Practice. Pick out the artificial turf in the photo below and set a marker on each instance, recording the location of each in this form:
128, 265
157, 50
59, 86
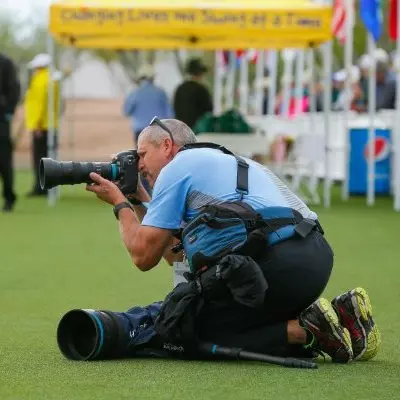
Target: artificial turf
70, 256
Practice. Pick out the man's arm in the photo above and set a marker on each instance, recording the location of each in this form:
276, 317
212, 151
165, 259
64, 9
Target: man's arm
170, 257
145, 244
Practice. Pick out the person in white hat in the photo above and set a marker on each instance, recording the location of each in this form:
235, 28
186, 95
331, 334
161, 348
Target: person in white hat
36, 113
42, 60
345, 96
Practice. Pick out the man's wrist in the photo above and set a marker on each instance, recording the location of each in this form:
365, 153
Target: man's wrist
135, 202
118, 207
118, 200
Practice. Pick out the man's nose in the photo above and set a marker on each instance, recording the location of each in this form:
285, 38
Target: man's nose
141, 165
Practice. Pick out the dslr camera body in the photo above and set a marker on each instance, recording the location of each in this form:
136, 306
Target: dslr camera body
123, 170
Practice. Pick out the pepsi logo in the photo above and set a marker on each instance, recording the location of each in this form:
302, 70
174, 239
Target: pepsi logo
381, 149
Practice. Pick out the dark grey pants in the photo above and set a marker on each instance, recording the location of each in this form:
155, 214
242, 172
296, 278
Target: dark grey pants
6, 163
297, 272
39, 150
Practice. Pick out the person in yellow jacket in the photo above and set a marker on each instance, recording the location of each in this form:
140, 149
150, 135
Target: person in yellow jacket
37, 119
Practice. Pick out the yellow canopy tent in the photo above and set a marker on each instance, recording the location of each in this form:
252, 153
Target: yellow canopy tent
191, 24
202, 24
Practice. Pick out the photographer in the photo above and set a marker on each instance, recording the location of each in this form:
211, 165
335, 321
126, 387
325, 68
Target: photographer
294, 259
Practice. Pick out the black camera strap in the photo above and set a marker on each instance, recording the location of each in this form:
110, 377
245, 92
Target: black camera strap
242, 183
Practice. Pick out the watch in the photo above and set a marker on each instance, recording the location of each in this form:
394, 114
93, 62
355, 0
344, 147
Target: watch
120, 206
135, 202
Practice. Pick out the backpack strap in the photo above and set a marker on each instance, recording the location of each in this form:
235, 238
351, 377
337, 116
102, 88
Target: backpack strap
242, 182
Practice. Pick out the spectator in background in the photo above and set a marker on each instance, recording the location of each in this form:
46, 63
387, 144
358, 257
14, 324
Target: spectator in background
345, 97
297, 102
9, 97
146, 101
338, 80
192, 99
385, 87
36, 113
385, 82
360, 103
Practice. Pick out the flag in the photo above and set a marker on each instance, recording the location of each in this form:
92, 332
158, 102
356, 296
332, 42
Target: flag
371, 15
339, 20
250, 55
393, 25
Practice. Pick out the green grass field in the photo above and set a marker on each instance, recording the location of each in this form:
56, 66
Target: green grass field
55, 259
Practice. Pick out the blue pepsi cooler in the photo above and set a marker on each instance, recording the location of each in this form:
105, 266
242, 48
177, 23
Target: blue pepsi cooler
358, 157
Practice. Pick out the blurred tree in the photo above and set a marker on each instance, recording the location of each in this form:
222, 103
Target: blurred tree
130, 60
19, 43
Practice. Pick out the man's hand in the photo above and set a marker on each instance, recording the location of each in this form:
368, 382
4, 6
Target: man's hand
105, 190
140, 194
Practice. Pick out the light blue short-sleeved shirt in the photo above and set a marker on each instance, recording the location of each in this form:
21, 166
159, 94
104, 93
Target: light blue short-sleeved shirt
197, 177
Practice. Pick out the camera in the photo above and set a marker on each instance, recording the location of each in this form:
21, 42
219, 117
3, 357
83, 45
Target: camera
123, 169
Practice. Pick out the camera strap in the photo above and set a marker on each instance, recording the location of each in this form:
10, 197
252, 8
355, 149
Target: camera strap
242, 182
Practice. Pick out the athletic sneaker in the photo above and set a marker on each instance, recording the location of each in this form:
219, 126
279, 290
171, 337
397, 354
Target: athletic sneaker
355, 313
329, 336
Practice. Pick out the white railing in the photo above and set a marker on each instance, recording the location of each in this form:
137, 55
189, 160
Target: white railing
307, 160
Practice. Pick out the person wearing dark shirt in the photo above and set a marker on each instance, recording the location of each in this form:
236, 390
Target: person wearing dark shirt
192, 99
9, 97
385, 89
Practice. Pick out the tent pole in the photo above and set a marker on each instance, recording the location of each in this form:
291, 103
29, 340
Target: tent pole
348, 60
273, 76
59, 115
371, 130
328, 47
396, 130
259, 91
230, 81
218, 73
288, 58
244, 85
312, 123
52, 193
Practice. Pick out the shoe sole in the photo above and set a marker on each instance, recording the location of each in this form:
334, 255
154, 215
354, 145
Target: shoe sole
362, 310
341, 334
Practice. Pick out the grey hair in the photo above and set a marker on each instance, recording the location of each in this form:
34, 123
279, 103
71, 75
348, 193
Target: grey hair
181, 133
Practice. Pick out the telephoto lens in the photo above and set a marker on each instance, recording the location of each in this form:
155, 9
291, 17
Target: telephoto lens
53, 173
86, 334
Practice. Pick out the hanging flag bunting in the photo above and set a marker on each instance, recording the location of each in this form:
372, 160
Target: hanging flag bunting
371, 15
393, 24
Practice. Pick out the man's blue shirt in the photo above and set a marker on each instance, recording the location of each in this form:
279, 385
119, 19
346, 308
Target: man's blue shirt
197, 177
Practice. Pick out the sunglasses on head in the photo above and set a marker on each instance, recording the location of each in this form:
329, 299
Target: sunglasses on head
157, 121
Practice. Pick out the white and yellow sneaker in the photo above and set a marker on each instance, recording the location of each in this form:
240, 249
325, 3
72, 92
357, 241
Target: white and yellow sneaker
355, 313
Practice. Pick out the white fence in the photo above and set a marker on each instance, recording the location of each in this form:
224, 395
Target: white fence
309, 133
310, 148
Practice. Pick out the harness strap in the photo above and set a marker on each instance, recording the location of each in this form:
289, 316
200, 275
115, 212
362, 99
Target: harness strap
242, 182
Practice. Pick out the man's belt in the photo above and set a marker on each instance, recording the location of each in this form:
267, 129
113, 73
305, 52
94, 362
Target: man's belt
306, 226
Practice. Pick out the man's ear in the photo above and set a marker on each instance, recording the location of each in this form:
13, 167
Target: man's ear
168, 145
